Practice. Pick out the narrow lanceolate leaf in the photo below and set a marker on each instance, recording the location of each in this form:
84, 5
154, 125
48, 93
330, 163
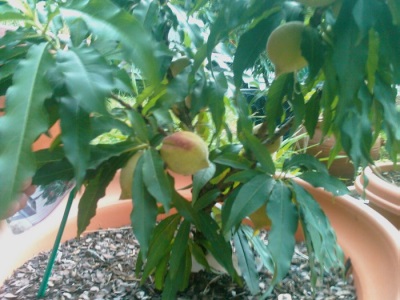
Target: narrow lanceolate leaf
179, 248
284, 216
215, 94
253, 42
85, 83
216, 243
24, 121
94, 191
144, 213
75, 126
318, 229
324, 180
200, 179
156, 179
252, 195
246, 261
110, 22
373, 58
259, 151
161, 243
305, 162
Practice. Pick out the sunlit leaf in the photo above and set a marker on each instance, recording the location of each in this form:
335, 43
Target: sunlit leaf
79, 67
24, 121
110, 22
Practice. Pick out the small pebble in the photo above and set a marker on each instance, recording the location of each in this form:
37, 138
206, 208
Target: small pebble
284, 297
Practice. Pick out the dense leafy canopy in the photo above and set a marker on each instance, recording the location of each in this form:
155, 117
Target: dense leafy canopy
100, 70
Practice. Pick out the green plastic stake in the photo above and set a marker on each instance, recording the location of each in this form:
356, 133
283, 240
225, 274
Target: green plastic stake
50, 264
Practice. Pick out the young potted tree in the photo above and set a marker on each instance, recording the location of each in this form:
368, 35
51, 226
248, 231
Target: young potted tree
148, 76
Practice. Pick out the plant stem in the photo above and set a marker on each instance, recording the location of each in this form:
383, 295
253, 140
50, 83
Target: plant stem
50, 264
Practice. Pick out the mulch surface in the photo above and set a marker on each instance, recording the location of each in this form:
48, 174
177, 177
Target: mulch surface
101, 265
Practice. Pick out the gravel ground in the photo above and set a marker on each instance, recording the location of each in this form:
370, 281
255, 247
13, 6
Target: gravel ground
101, 266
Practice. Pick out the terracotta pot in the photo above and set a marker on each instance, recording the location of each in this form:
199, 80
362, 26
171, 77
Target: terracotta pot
367, 238
383, 196
341, 167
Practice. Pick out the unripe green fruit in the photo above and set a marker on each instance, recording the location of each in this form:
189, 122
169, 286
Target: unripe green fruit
126, 176
283, 48
272, 148
316, 3
178, 65
185, 153
260, 218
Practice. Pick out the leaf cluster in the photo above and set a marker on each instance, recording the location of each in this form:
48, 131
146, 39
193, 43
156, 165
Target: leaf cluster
101, 71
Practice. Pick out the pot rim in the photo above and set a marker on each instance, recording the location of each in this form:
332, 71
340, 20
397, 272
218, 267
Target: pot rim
382, 193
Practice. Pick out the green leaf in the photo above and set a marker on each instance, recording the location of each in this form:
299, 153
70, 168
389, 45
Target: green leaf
155, 178
76, 136
185, 208
55, 170
251, 196
394, 7
316, 225
181, 282
80, 69
200, 179
304, 162
103, 124
144, 213
48, 155
109, 22
215, 96
206, 199
280, 87
246, 261
161, 242
242, 176
312, 49
138, 125
216, 243
24, 121
284, 216
312, 113
94, 191
365, 13
373, 58
324, 180
349, 58
179, 248
260, 248
233, 160
199, 255
101, 152
253, 42
258, 150
160, 273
